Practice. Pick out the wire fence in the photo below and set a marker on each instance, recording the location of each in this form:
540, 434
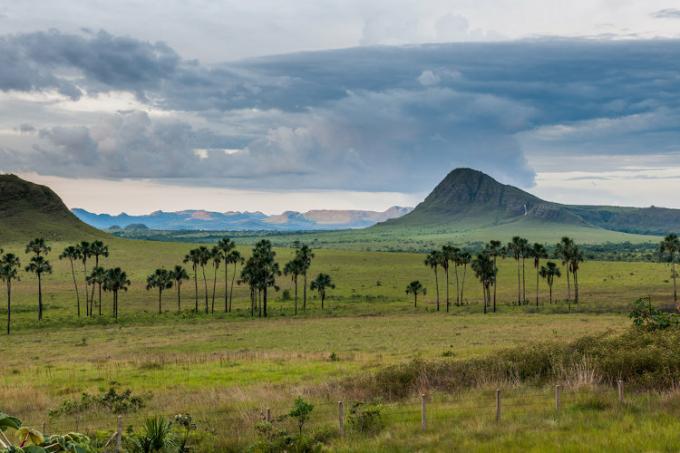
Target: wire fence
420, 413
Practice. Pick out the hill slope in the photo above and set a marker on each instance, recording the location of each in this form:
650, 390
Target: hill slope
469, 199
29, 210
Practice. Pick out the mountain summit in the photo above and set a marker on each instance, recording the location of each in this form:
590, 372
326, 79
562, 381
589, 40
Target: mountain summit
468, 198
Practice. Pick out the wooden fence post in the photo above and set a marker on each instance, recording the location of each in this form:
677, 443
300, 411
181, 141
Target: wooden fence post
423, 412
119, 435
558, 391
498, 405
269, 415
341, 418
620, 390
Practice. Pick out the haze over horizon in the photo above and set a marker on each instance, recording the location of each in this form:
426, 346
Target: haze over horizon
212, 106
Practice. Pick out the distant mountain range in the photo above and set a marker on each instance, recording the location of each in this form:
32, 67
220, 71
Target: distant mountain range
470, 199
243, 221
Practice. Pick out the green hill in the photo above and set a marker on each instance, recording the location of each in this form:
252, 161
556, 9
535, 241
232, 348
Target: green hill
469, 205
28, 210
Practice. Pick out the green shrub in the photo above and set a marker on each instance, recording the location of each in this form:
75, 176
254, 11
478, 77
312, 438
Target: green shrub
366, 418
117, 403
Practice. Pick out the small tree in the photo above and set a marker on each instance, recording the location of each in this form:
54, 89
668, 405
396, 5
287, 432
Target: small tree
668, 251
161, 279
39, 266
294, 268
116, 280
73, 253
320, 284
301, 411
549, 272
178, 275
415, 288
9, 271
96, 277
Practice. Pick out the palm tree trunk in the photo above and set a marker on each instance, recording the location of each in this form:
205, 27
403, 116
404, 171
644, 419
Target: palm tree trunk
160, 308
259, 303
323, 297
179, 296
87, 307
75, 284
550, 287
264, 301
462, 285
115, 302
9, 305
575, 287
205, 288
455, 268
100, 298
537, 281
92, 300
524, 283
519, 284
40, 306
231, 290
196, 289
495, 282
568, 284
415, 299
447, 289
675, 285
484, 297
304, 292
296, 293
436, 284
212, 309
226, 286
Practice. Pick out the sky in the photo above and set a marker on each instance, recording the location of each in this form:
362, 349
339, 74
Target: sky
136, 106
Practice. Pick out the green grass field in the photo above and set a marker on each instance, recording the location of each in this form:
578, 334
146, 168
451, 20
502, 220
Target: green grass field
227, 368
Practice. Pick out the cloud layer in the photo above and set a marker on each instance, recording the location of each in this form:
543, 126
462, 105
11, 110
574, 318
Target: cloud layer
371, 118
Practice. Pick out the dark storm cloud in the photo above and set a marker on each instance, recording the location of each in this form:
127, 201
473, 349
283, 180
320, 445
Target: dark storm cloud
372, 118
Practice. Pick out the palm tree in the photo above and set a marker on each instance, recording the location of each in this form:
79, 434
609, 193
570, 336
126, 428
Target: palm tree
305, 255
97, 249
116, 280
548, 273
39, 266
38, 247
194, 258
204, 256
563, 250
320, 284
294, 269
267, 269
575, 260
415, 288
161, 279
449, 254
216, 259
464, 258
85, 253
249, 275
178, 275
494, 249
433, 260
668, 251
234, 258
483, 267
72, 253
225, 246
96, 277
515, 249
538, 252
9, 271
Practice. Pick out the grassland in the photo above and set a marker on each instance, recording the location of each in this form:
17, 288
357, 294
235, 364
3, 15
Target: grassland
227, 368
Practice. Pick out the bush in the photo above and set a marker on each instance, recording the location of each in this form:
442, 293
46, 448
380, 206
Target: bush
117, 403
648, 318
366, 418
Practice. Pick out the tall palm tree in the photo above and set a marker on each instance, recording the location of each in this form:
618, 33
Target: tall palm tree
72, 253
563, 250
161, 279
194, 258
669, 249
515, 249
267, 269
38, 247
449, 255
294, 269
39, 266
9, 271
321, 284
494, 249
85, 252
538, 252
433, 260
96, 277
216, 260
575, 259
415, 288
464, 258
305, 254
97, 249
548, 273
226, 246
116, 280
249, 275
234, 258
204, 256
483, 267
178, 275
